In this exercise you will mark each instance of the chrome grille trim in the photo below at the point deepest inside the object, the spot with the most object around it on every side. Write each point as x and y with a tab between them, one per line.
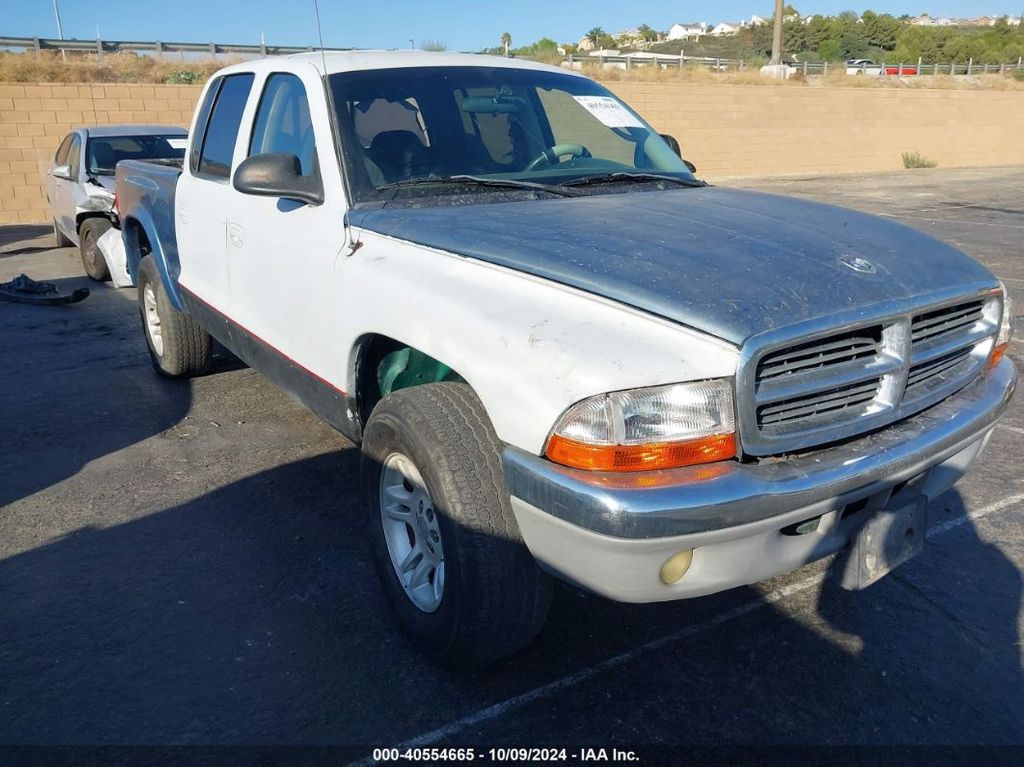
830	379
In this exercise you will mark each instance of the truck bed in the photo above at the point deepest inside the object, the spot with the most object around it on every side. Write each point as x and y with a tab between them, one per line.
145	202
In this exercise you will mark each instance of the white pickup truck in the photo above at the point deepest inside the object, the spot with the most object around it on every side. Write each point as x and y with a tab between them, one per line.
560	352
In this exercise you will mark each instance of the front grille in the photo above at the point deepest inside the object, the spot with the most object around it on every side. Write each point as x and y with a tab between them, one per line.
846	347
945	321
921	375
826	386
820	404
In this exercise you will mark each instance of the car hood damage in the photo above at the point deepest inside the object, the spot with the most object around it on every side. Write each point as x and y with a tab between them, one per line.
727	262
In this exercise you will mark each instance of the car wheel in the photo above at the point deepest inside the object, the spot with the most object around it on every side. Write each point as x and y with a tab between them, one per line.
63	241
178	345
462	584
92	259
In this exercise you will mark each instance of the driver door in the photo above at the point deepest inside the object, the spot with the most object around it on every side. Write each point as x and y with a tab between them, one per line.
283	255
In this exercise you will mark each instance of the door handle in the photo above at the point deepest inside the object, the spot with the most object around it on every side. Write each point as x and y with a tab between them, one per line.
235	234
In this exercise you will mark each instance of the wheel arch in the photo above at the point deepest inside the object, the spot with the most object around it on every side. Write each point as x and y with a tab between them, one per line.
382	364
138	244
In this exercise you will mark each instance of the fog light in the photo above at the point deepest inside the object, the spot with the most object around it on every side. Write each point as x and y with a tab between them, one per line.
675	566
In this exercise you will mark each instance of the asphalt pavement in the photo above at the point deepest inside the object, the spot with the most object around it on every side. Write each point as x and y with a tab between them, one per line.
183	563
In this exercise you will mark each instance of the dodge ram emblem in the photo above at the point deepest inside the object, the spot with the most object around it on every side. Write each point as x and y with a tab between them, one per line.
858	264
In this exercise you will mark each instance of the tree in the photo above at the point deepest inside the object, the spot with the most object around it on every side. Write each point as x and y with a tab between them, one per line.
596	35
433	45
829	50
506	41
647	33
880	31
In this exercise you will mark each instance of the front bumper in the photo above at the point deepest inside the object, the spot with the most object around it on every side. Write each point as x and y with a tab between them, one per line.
612	532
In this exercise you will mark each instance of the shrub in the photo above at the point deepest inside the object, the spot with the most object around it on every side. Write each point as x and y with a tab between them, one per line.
916	160
182	77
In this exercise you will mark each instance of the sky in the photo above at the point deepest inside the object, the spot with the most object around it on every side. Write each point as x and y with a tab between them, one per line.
462	25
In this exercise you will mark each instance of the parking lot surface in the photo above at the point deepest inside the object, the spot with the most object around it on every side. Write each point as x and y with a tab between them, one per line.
183	562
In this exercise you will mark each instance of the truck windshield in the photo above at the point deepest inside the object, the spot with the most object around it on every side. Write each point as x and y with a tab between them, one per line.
401	125
103	153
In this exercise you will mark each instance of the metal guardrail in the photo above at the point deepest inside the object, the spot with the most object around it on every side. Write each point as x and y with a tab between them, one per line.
668	61
116	46
626	61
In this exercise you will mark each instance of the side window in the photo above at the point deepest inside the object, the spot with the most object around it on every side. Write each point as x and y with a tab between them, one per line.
222	130
75	155
61	158
195	150
282	122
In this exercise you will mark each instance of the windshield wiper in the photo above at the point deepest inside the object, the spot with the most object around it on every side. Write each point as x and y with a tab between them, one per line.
497	183
632	178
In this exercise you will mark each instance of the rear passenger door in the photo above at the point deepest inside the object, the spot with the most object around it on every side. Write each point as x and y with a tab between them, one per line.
282	253
204	193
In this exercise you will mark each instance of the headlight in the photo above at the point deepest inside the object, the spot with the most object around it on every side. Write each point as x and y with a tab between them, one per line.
661	427
1005	329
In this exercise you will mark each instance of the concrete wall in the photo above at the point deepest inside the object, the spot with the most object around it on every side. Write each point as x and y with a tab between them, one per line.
726	130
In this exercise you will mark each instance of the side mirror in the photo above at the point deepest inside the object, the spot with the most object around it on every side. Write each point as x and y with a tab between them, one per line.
62	171
672	144
278	175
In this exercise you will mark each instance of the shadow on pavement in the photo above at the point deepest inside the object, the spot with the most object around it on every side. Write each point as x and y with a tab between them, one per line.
252	615
76	385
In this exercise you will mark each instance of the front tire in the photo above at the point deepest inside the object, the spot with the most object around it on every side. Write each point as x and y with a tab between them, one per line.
178	346
454	567
92	259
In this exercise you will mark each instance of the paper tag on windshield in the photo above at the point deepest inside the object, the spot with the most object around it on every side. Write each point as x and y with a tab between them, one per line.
609	111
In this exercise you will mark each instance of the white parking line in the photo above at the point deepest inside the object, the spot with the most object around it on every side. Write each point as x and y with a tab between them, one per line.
1014	429
491	712
956	221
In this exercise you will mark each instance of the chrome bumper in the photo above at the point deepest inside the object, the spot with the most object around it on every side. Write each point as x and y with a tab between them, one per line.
705	498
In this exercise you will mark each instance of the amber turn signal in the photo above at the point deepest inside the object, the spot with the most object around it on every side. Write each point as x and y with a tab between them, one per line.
658	455
997	354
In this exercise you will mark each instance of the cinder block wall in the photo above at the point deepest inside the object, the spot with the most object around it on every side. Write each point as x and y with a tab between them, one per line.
751	130
34	119
726	130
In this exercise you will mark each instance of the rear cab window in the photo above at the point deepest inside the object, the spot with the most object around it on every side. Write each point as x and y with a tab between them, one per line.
217	127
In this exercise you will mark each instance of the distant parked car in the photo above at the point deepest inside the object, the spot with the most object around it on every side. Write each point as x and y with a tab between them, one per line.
80	183
869	67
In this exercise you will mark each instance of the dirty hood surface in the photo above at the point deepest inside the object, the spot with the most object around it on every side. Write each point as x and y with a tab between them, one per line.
728	262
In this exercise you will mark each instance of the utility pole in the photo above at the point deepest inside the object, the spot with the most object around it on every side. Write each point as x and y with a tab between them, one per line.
60	29
777	34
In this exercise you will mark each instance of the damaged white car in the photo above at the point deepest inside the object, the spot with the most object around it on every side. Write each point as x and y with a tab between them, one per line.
80	189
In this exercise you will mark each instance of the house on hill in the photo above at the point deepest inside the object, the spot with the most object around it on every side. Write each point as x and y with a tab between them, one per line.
726	28
688	31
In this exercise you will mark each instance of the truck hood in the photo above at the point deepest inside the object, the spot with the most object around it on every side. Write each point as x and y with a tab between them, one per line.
727	262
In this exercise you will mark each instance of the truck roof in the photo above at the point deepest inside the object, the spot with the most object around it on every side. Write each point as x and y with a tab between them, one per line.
348	61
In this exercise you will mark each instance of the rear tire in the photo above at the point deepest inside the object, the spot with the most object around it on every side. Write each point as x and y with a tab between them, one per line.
92	259
494	599
178	346
63	241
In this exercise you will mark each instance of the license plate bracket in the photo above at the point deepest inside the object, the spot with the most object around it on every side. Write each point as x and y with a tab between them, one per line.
890	538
